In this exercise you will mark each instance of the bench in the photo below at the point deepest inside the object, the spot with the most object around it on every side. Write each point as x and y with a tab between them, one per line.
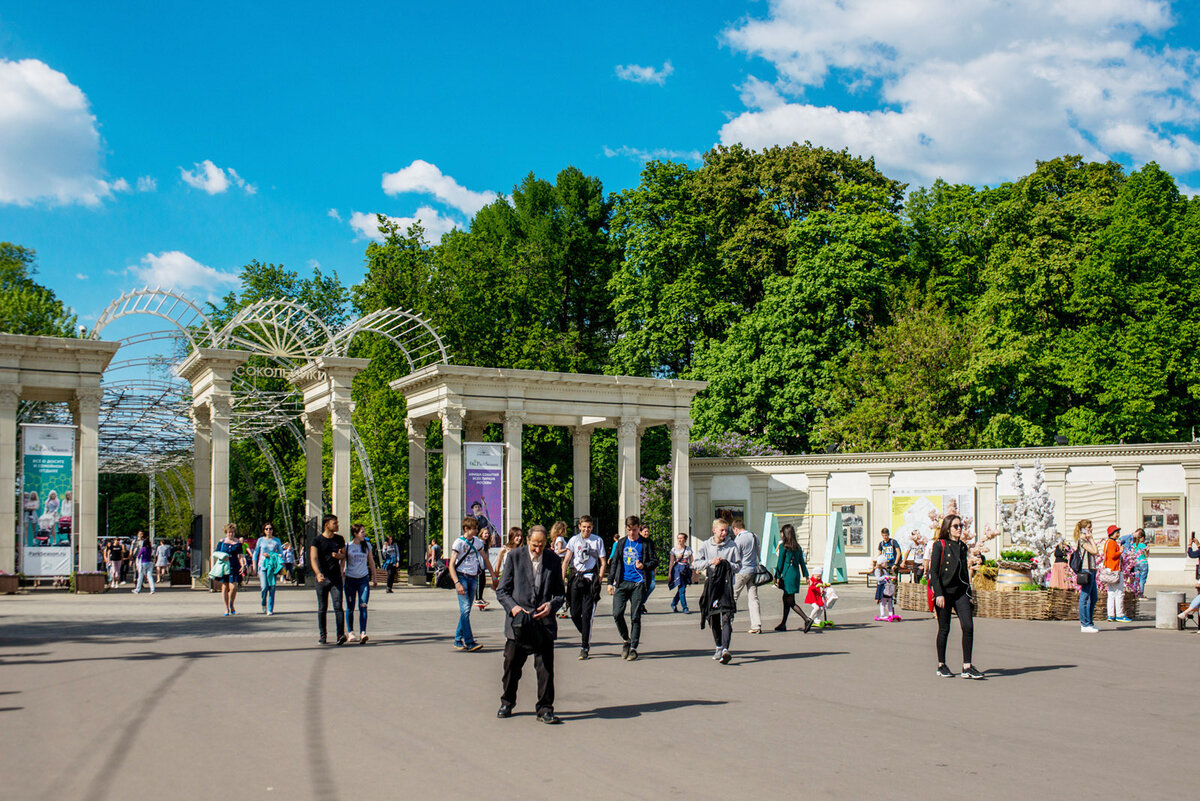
898	572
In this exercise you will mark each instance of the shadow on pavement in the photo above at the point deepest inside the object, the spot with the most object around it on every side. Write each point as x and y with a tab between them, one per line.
749	657
1021	671
633	710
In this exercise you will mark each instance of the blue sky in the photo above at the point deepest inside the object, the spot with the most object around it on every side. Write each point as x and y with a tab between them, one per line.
173	143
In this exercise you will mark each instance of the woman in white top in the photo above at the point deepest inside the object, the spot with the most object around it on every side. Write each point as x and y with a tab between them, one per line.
558	543
359	580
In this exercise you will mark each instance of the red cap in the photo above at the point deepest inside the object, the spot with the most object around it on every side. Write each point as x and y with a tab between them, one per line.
1112	529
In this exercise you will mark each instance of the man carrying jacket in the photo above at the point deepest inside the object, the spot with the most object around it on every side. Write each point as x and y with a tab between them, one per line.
630	564
721	559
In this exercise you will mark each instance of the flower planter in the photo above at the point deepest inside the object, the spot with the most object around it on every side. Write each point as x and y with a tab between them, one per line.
90	582
1012	575
9	585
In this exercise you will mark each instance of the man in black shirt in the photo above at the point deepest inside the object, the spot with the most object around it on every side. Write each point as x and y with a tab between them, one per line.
327	554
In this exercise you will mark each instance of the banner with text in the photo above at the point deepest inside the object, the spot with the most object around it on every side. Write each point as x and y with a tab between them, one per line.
47	507
483	489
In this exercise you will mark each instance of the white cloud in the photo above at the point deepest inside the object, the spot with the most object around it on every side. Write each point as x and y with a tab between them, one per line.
426	178
970	90
147	184
642	155
333	214
639	74
49	142
120	185
434	223
174	269
81	276
213	179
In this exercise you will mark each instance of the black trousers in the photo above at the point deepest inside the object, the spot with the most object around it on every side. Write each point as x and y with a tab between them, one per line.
581	597
325	589
960	604
543	662
721	624
391	573
632	593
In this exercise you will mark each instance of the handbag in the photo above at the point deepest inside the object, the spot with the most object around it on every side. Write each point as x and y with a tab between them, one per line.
929	595
1108	576
441	573
1083	577
762	576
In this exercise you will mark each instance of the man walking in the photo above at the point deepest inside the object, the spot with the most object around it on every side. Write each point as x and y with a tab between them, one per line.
327	554
468	560
631	560
391	560
747	545
531	591
721	557
585	564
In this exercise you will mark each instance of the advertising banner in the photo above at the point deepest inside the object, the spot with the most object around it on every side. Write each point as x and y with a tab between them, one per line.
922	510
483	489
47	470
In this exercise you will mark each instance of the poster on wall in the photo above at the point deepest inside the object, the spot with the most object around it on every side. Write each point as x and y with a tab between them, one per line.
854	516
728	511
483	489
921	510
1162	520
47	507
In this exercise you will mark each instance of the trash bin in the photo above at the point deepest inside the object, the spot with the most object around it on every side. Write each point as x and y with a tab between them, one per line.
1166	609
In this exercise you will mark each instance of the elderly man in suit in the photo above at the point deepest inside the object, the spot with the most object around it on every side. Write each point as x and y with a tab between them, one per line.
531	591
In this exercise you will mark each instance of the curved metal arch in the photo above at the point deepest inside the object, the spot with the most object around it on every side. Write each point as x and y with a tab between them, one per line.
285	507
167	304
187	490
282	329
410	332
369	481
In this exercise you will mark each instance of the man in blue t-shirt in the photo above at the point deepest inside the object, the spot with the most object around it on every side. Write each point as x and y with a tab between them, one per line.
631	561
890	549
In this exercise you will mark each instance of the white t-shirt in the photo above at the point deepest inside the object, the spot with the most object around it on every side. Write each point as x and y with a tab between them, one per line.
929	549
358	561
585	554
471	564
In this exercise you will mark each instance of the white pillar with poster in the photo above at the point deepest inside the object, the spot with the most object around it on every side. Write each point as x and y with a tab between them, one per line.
47	486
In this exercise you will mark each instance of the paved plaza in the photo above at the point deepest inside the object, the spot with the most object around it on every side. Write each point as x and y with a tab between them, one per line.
118	697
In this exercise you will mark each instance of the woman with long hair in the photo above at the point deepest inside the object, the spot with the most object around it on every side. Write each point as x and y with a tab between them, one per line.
558	544
789	566
511	543
143	557
950	578
1058	568
1086	576
358	581
236	558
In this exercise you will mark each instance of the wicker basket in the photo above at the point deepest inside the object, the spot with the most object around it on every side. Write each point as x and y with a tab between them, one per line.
1013	604
912	597
1064	604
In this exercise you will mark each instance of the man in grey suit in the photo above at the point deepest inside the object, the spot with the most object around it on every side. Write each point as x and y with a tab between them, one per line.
531	591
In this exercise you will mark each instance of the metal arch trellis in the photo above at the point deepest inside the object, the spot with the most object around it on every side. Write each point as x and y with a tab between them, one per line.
279	483
167	304
369	480
286	331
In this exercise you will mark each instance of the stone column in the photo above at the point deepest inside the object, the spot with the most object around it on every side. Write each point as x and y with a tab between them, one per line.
681	507
314	452
818	504
1191	503
221	410
581	444
1128	514
987	504
514	424
628	500
452	475
880	510
9	399
202	488
702	504
473	429
756	511
418	488
86	522
1056	488
340	496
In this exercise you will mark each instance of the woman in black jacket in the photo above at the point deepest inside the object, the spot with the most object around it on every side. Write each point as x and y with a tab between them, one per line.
950	579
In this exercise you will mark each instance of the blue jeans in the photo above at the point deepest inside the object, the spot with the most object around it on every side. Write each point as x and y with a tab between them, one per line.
267	592
1142	569
357	589
1087	602
463	635
680	598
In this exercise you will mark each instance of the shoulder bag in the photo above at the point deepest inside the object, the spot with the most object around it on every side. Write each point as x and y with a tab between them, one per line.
1083	577
441	573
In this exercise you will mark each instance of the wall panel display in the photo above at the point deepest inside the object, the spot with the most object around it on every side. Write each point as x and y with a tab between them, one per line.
854	523
921	510
1162	519
727	511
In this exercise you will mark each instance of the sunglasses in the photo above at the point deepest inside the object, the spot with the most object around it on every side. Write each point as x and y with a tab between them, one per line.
956	525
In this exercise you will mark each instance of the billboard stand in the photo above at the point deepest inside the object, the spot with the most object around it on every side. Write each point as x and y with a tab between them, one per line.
47	508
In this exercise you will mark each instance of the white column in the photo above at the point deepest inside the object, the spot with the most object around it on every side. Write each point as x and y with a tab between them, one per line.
581	444
452	476
9	400
756	512
514	425
473	429
627	483
418	488
681	507
340	479
86	520
986	504
818	504
879	513
202	486
1056	488
221	409
314	451
702	487
1128	513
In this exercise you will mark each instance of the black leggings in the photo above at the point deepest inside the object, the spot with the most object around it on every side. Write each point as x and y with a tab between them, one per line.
789	603
961	605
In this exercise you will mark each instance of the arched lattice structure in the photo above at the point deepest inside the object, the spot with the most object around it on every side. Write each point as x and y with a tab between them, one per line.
177	309
282	330
408	331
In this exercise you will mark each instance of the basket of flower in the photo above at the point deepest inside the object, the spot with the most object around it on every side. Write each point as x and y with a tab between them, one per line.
913	597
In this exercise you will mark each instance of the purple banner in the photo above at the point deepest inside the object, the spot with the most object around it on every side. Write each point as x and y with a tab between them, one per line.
483	485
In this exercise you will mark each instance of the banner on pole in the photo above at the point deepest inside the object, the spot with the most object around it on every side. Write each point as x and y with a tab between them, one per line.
483	489
47	505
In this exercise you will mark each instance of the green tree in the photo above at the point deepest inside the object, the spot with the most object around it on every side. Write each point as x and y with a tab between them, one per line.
129	512
27	307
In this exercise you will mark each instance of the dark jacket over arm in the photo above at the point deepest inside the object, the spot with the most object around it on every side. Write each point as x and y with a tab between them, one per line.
516	588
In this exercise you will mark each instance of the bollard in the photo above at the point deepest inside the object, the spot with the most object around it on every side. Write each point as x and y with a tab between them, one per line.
1166	609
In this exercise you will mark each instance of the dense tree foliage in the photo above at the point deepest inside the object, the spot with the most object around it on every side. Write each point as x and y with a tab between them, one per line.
27	307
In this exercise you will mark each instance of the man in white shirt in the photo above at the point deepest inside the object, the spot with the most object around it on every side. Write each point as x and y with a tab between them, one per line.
747	545
582	568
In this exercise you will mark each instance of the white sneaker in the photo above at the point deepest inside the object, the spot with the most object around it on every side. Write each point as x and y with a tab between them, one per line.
717	655
1089	630
353	637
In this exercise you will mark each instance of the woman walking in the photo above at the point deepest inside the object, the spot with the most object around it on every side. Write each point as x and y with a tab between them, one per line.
235	559
1058	569
143	556
359	581
558	544
789	566
1141	560
268	560
1114	580
114	555
511	543
950	578
1085	575
680	573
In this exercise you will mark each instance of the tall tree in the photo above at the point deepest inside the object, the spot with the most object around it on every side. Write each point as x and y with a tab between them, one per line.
27	307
